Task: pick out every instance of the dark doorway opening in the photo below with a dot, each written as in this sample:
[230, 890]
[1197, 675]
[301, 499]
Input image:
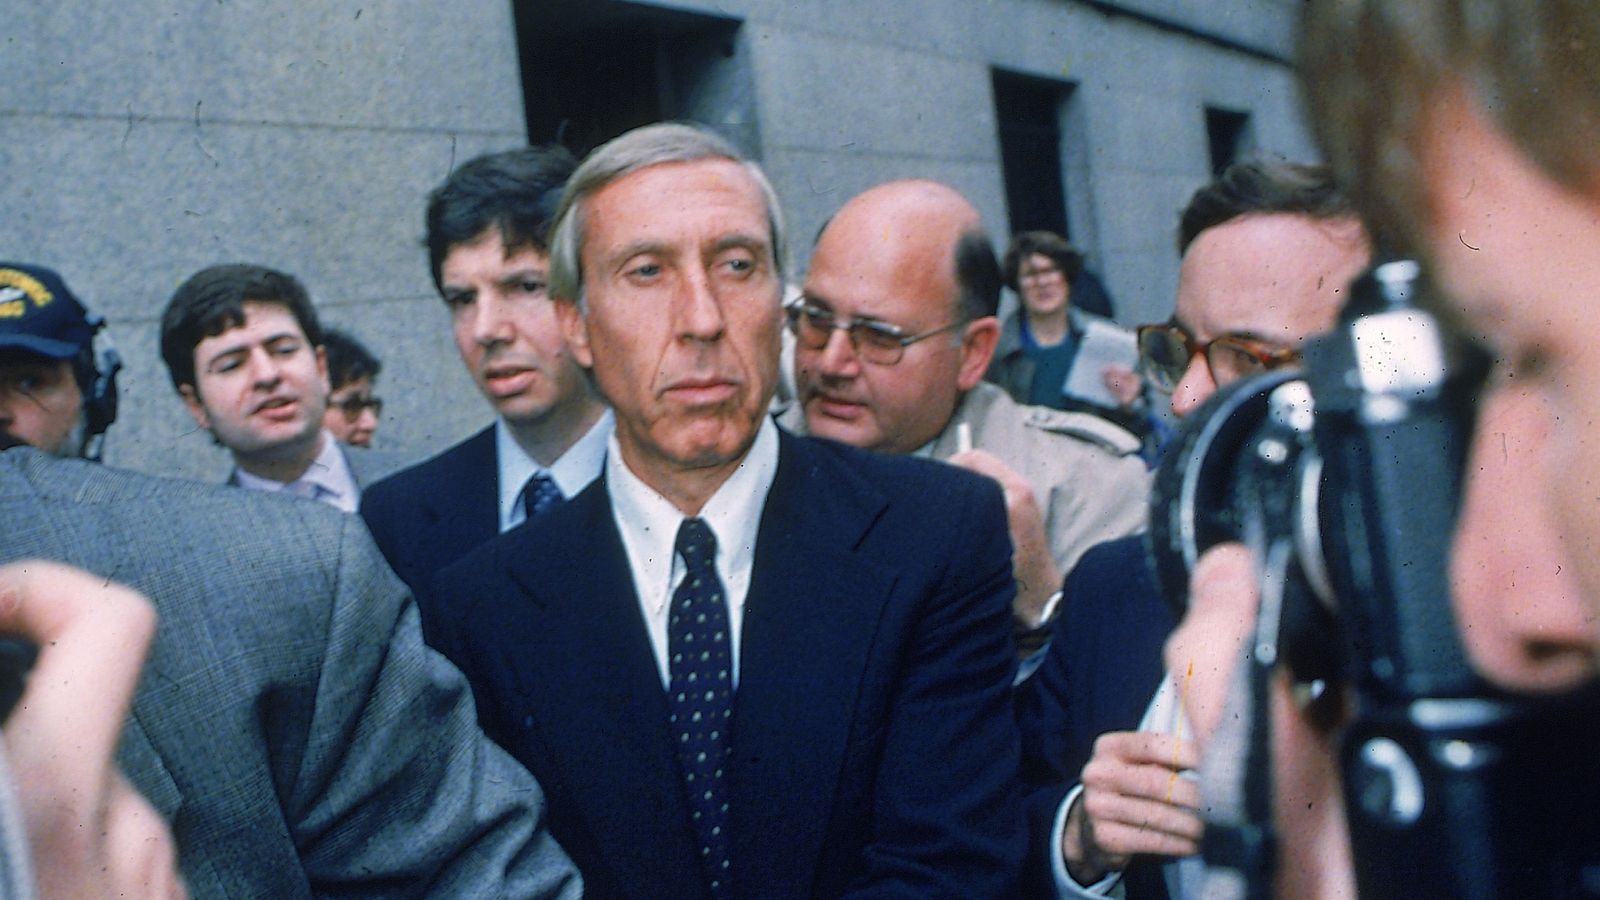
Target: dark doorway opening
[593, 69]
[1028, 112]
[1228, 132]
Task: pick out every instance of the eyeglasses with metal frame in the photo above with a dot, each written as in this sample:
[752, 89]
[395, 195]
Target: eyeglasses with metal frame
[1165, 351]
[352, 407]
[876, 342]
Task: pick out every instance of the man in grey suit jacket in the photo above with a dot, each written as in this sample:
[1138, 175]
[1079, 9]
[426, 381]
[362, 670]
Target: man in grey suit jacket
[290, 725]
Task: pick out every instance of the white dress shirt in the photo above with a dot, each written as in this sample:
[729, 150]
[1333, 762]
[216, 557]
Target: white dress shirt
[572, 472]
[649, 526]
[1164, 715]
[328, 479]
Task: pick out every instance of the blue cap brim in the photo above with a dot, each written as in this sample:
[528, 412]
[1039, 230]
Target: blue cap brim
[40, 345]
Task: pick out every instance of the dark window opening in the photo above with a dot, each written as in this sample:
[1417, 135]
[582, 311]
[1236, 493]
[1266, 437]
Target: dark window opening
[1228, 132]
[593, 69]
[1028, 111]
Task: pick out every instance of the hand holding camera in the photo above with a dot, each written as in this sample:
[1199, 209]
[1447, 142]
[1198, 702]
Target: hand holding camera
[1344, 486]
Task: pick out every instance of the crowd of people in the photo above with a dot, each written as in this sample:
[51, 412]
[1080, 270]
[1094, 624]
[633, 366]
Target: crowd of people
[659, 630]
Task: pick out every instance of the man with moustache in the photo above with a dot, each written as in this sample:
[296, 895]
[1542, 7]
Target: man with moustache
[895, 328]
[743, 664]
[487, 227]
[243, 347]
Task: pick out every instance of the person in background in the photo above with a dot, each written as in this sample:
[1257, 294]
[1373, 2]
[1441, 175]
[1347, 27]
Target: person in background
[1039, 341]
[57, 393]
[243, 346]
[894, 329]
[353, 409]
[487, 237]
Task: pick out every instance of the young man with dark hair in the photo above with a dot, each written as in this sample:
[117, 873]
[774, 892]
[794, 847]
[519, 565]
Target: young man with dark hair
[244, 349]
[488, 252]
[353, 409]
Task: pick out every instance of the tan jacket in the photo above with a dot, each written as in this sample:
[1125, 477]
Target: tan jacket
[1086, 473]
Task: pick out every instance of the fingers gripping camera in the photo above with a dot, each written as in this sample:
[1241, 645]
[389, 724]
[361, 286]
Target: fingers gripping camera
[1345, 481]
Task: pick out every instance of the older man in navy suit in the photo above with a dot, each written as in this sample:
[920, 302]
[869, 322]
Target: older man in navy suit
[744, 664]
[487, 227]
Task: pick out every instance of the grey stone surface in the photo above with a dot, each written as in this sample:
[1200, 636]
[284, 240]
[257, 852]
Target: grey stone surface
[864, 98]
[333, 63]
[813, 184]
[166, 135]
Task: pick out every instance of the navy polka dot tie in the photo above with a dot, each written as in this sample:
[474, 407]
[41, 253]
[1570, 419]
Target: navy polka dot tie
[700, 696]
[538, 494]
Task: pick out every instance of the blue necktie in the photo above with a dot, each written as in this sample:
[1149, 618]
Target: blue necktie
[700, 695]
[538, 495]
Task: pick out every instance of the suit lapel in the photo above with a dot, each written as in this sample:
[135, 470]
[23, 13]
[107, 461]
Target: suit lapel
[809, 625]
[601, 713]
[463, 508]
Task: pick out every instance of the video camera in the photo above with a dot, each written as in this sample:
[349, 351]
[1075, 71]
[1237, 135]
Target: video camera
[1344, 480]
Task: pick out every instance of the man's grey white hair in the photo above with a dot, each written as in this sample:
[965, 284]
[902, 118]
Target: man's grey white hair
[652, 145]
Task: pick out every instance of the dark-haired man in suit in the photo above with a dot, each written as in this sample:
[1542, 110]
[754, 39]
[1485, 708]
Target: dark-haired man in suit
[744, 664]
[1267, 249]
[243, 346]
[487, 250]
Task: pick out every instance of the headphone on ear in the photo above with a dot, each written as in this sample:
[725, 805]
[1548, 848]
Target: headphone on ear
[99, 363]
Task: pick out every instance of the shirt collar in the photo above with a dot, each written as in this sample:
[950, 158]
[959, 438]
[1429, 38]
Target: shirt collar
[328, 478]
[648, 522]
[572, 472]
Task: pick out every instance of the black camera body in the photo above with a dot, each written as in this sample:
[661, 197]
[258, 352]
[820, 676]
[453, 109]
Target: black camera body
[1345, 482]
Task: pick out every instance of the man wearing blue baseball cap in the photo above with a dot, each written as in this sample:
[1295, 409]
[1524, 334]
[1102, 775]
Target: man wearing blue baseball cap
[56, 394]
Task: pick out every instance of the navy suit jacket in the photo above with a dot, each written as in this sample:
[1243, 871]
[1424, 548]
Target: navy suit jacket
[874, 751]
[430, 515]
[1101, 669]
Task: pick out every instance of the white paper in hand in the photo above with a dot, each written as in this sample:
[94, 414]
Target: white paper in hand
[1102, 344]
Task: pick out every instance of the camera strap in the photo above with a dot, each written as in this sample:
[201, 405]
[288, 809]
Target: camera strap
[1240, 836]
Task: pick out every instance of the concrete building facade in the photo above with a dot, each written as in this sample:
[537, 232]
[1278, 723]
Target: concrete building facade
[144, 140]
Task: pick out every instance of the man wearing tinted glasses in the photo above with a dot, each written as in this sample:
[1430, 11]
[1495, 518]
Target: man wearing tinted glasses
[894, 331]
[1268, 249]
[353, 409]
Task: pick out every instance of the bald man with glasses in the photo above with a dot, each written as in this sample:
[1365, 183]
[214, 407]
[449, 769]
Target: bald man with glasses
[895, 327]
[1267, 250]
